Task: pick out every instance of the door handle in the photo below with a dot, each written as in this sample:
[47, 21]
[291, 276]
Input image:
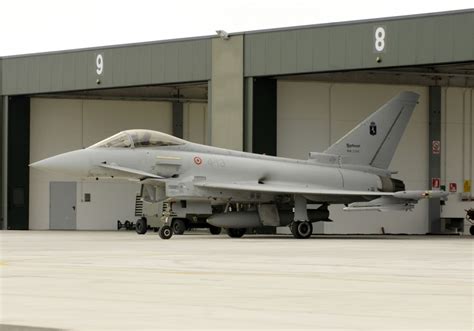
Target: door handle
[74, 208]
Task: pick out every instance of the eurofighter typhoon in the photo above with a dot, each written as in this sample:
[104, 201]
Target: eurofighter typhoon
[238, 190]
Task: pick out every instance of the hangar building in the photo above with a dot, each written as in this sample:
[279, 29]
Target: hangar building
[282, 92]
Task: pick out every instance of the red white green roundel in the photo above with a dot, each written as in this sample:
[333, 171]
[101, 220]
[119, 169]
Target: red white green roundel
[197, 160]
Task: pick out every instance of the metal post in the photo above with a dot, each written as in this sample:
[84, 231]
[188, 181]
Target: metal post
[434, 170]
[5, 163]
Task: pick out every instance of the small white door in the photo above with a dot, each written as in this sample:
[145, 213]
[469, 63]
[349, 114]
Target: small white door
[62, 210]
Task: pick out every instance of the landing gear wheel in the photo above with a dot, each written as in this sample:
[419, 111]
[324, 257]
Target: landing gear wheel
[215, 230]
[305, 229]
[165, 232]
[471, 230]
[294, 229]
[236, 233]
[178, 226]
[301, 229]
[141, 226]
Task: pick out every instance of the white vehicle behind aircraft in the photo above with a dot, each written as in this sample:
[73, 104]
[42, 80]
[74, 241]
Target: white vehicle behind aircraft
[242, 190]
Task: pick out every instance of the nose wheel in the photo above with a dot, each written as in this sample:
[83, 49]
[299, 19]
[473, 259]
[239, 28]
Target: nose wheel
[165, 232]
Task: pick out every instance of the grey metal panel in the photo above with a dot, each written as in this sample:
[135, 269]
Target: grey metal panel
[33, 73]
[9, 77]
[407, 41]
[184, 67]
[337, 48]
[158, 60]
[418, 40]
[258, 57]
[154, 63]
[45, 73]
[425, 40]
[288, 51]
[320, 43]
[199, 52]
[68, 73]
[80, 75]
[144, 65]
[444, 31]
[463, 36]
[354, 52]
[56, 67]
[171, 53]
[273, 53]
[304, 50]
[390, 55]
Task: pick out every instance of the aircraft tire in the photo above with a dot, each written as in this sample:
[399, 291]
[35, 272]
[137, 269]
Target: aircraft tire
[235, 233]
[165, 232]
[215, 230]
[471, 230]
[178, 226]
[141, 226]
[304, 229]
[294, 229]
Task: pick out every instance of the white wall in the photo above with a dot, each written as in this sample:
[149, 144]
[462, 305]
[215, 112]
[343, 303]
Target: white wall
[194, 122]
[457, 146]
[227, 91]
[61, 125]
[313, 115]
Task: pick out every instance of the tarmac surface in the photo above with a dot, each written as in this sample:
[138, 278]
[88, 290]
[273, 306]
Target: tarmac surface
[123, 281]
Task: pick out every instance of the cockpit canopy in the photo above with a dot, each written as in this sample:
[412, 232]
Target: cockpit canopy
[138, 139]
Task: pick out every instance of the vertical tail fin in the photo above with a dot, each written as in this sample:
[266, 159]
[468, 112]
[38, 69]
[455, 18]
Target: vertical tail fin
[373, 142]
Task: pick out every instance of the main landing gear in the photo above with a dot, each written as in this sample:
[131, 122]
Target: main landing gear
[301, 229]
[236, 233]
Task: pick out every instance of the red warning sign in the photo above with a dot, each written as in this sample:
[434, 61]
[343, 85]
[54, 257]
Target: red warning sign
[435, 182]
[197, 160]
[453, 187]
[436, 147]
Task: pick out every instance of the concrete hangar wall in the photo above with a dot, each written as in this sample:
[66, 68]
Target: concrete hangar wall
[282, 92]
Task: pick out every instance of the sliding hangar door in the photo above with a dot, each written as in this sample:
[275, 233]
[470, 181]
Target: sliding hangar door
[313, 115]
[62, 125]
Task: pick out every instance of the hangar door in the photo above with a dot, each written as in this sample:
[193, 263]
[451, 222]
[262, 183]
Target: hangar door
[62, 214]
[62, 125]
[313, 115]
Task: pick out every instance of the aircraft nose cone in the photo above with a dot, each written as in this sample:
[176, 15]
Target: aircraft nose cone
[74, 163]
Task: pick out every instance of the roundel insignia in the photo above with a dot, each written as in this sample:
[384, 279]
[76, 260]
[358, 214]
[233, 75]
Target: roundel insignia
[197, 160]
[373, 129]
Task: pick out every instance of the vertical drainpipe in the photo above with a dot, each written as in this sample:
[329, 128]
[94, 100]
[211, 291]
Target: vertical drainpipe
[248, 114]
[209, 114]
[5, 162]
[330, 113]
[178, 119]
[434, 165]
[470, 143]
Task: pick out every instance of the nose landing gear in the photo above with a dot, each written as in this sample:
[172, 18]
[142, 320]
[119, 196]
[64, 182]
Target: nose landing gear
[165, 232]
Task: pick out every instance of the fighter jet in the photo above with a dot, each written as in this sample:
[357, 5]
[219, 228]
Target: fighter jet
[239, 190]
